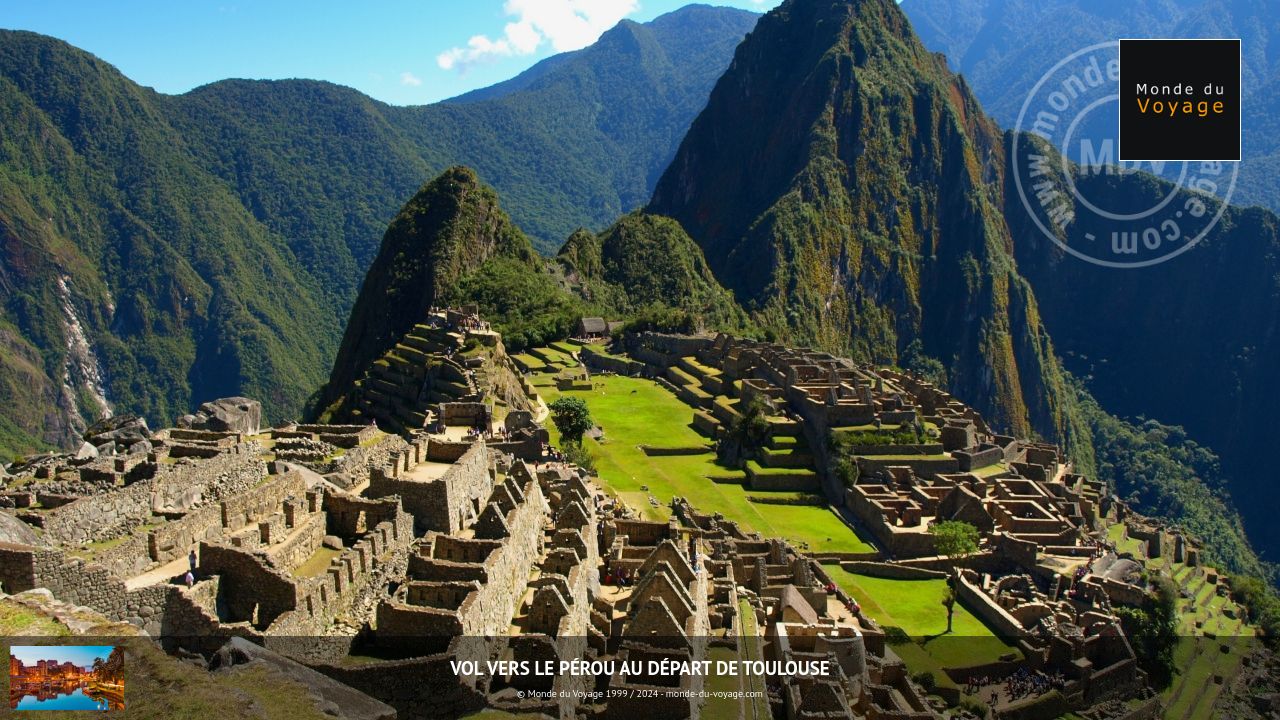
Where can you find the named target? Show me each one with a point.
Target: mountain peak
(852, 211)
(451, 225)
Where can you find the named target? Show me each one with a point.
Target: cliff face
(1194, 340)
(840, 182)
(450, 227)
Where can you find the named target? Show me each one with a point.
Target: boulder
(331, 697)
(333, 542)
(340, 479)
(142, 446)
(13, 530)
(86, 452)
(123, 430)
(233, 414)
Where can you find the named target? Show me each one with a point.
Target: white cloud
(408, 78)
(564, 24)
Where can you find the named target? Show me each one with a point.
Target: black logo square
(1179, 100)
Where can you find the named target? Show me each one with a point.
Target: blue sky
(401, 51)
(82, 655)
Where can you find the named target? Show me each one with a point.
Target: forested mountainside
(160, 250)
(854, 210)
(1002, 47)
(452, 244)
(1193, 340)
(1190, 341)
(867, 208)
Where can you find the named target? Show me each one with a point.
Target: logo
(1067, 171)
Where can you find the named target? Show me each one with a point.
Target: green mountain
(866, 208)
(131, 275)
(643, 262)
(451, 227)
(1004, 46)
(160, 251)
(453, 244)
(854, 210)
(1194, 340)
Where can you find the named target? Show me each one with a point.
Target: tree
(955, 540)
(747, 432)
(572, 418)
(578, 455)
(1152, 631)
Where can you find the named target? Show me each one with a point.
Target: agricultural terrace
(633, 412)
(916, 607)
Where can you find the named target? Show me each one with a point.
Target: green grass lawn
(1198, 658)
(916, 607)
(532, 363)
(317, 564)
(634, 412)
(17, 620)
(990, 470)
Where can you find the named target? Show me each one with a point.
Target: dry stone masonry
(434, 527)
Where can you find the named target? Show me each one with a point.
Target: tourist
(191, 558)
(189, 579)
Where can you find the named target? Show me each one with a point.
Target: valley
(725, 338)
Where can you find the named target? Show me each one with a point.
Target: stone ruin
(454, 539)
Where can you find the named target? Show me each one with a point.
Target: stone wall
(351, 516)
(100, 517)
(359, 461)
(447, 452)
(423, 688)
(980, 458)
(110, 514)
(443, 504)
(351, 579)
(128, 558)
(981, 605)
(162, 610)
(610, 363)
(896, 543)
(300, 544)
(488, 609)
(214, 520)
(227, 473)
(249, 589)
(172, 540)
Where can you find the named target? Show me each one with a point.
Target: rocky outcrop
(117, 435)
(13, 530)
(233, 414)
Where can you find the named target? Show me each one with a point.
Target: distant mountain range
(1002, 47)
(159, 251)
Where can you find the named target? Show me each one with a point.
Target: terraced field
(635, 412)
